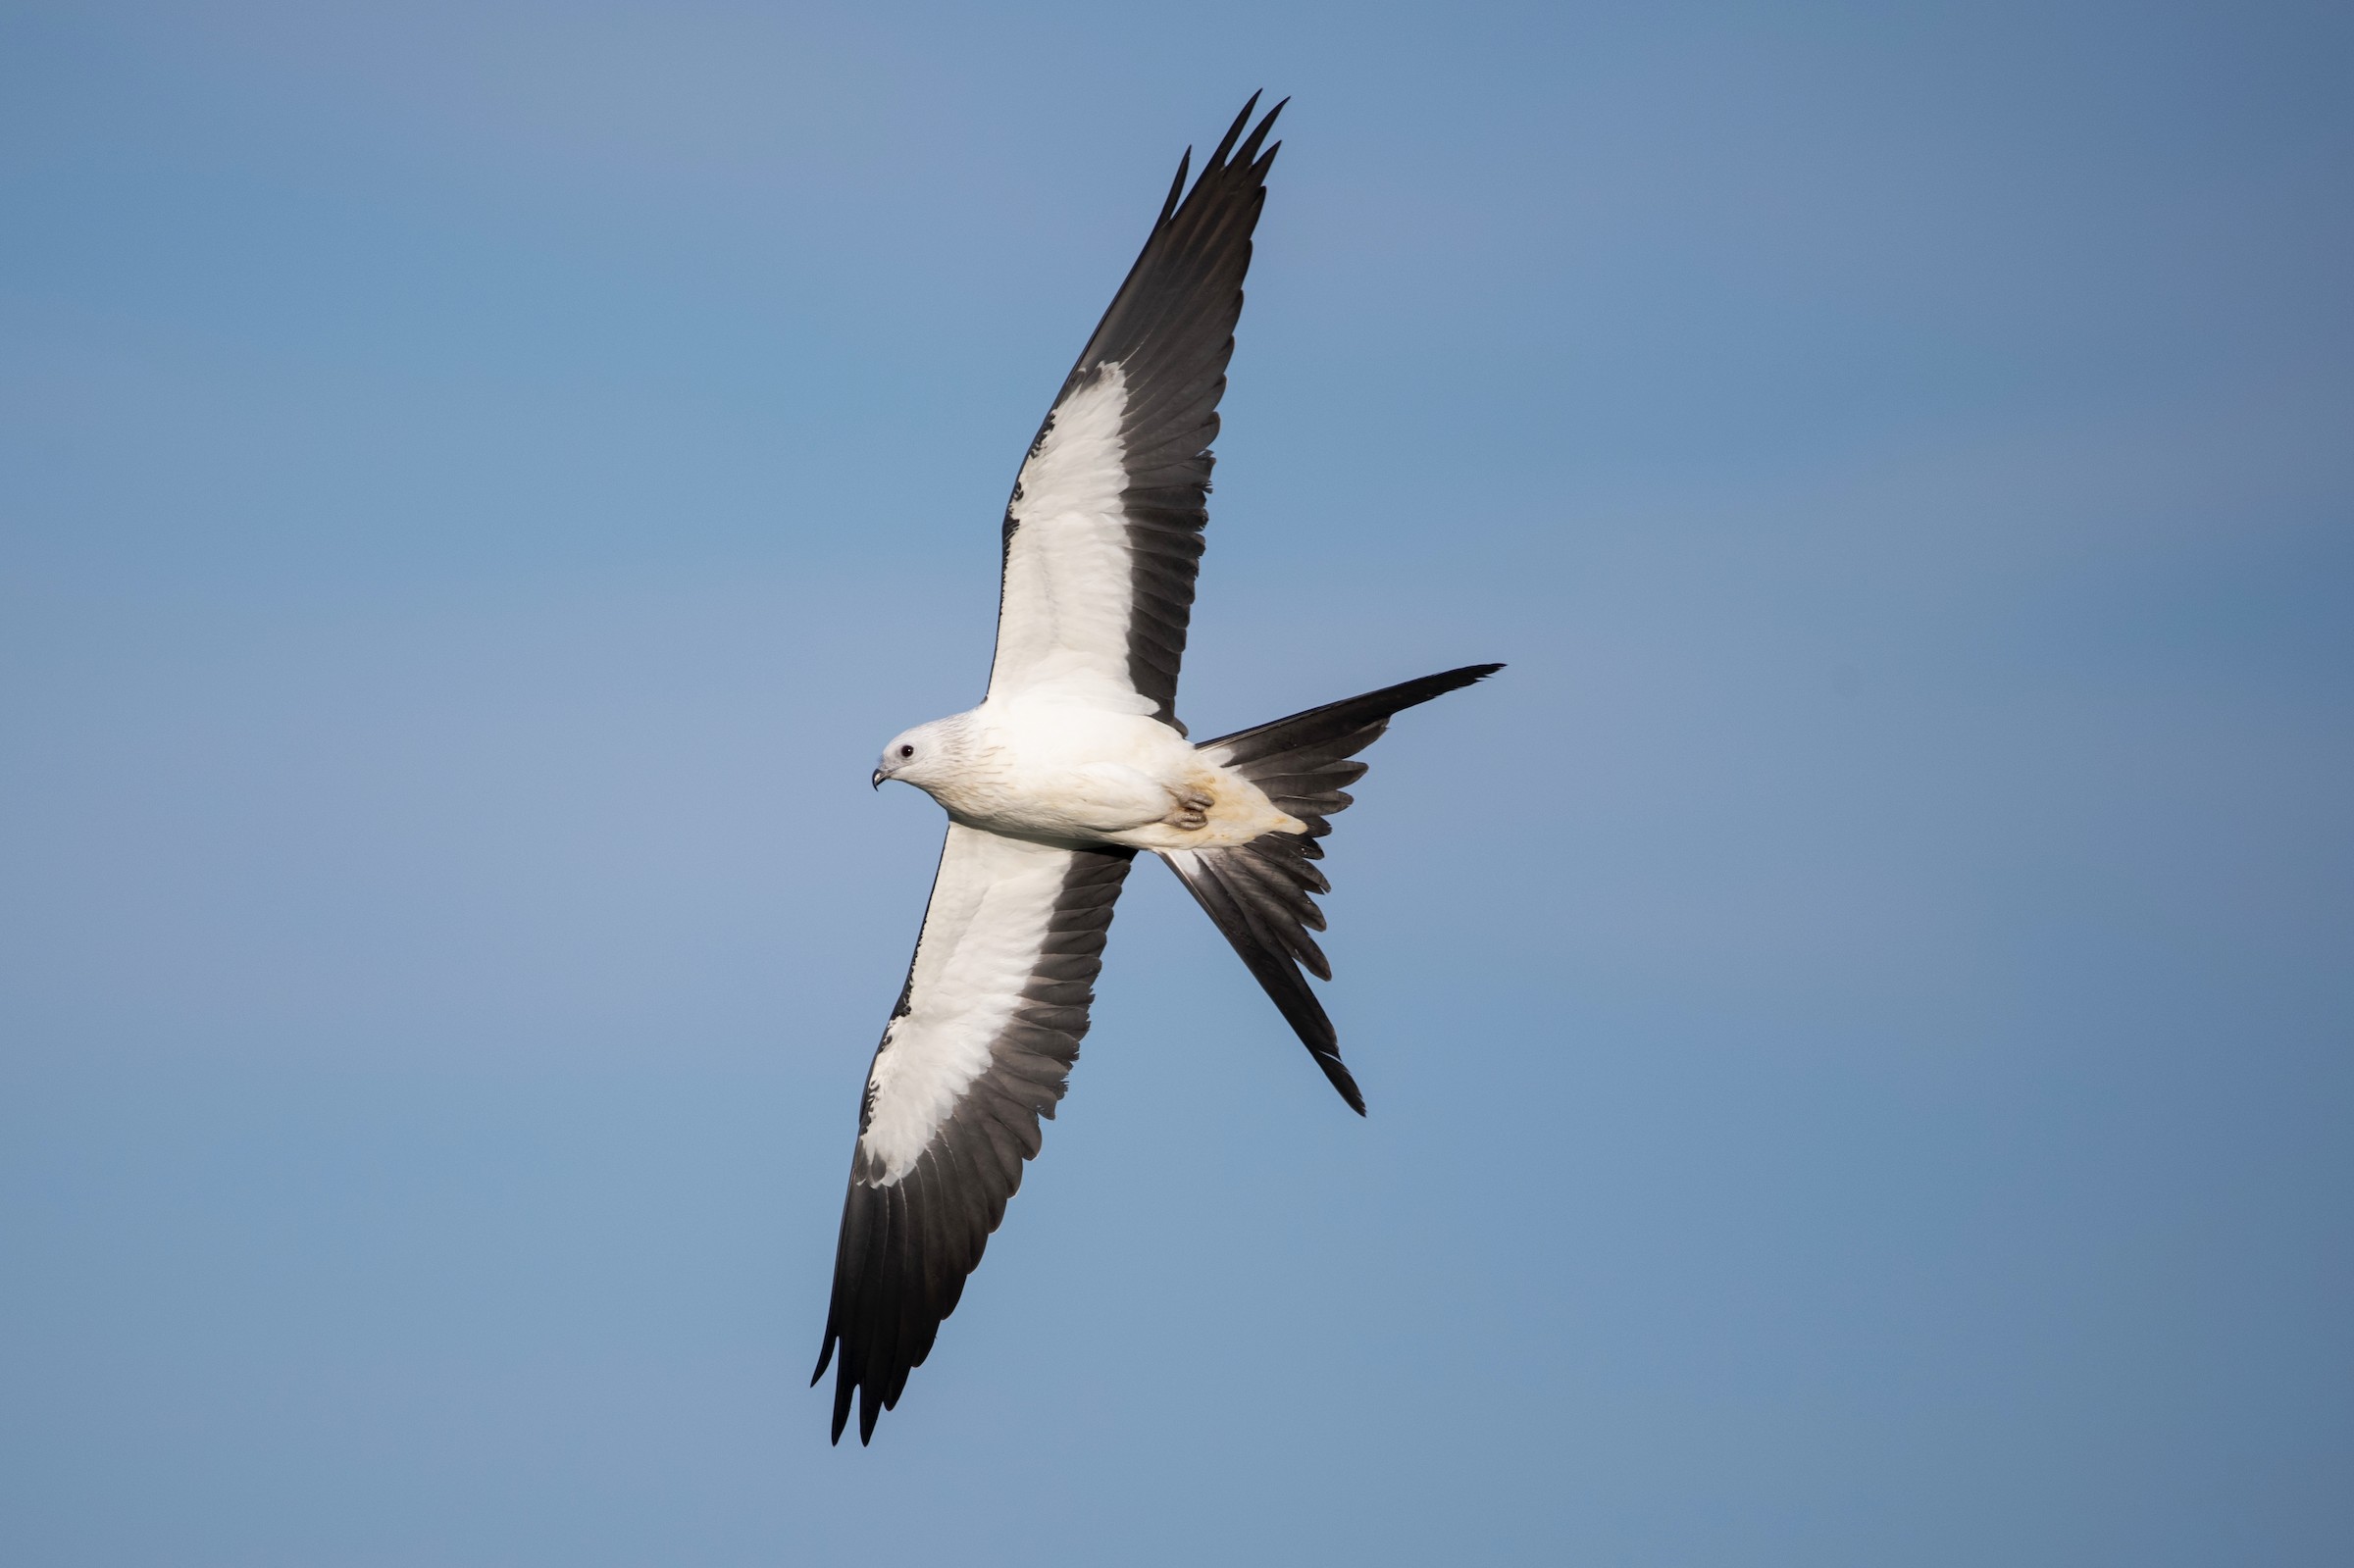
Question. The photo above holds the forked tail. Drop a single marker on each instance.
(1260, 894)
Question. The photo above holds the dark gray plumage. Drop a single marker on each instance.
(1260, 894)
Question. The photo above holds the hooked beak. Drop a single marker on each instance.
(878, 779)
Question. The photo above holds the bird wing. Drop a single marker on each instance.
(978, 1048)
(1103, 532)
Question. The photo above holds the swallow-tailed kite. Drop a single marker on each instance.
(1073, 762)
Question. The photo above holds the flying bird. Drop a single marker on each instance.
(1073, 763)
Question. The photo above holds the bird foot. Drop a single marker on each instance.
(1191, 811)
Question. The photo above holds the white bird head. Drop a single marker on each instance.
(922, 756)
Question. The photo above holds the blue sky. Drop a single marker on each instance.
(1856, 1019)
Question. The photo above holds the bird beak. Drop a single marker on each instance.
(878, 779)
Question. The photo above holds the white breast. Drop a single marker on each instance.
(1049, 767)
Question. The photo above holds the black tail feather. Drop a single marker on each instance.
(1260, 893)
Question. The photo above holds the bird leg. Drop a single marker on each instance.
(1192, 809)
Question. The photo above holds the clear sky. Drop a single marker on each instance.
(1856, 1018)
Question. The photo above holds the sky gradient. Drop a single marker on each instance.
(1856, 1018)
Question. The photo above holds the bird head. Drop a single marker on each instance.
(920, 756)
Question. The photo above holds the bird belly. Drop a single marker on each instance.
(1109, 778)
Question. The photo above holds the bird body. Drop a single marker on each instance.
(1052, 766)
(1073, 764)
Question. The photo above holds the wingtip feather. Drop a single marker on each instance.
(1247, 153)
(1185, 166)
(1342, 1079)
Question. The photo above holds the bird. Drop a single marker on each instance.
(1074, 764)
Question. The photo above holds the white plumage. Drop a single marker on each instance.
(1062, 622)
(991, 904)
(1072, 763)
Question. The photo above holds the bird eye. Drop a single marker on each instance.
(906, 751)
